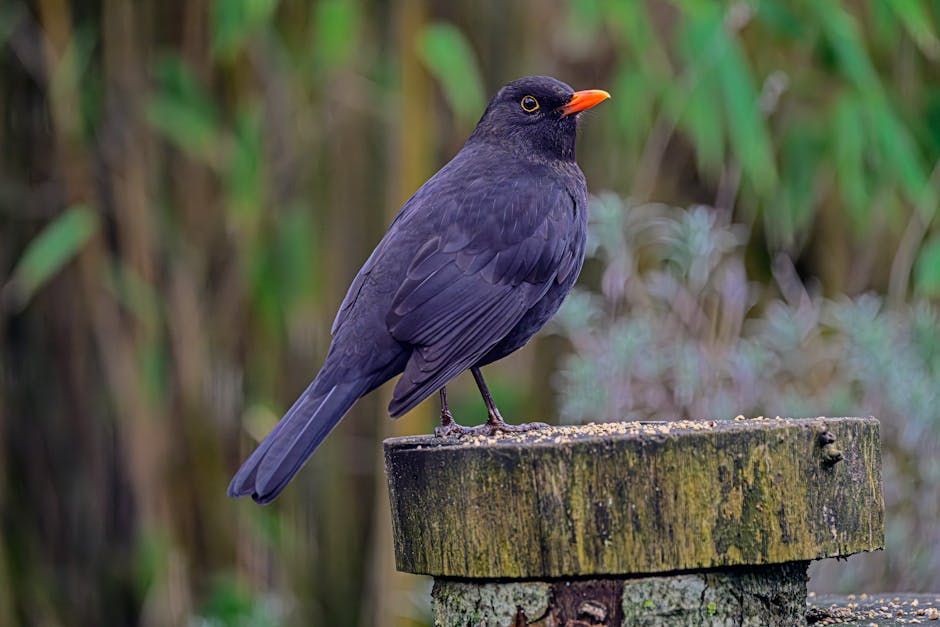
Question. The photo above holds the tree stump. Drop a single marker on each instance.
(678, 523)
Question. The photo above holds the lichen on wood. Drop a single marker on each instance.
(767, 596)
(764, 596)
(631, 498)
(489, 604)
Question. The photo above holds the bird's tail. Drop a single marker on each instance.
(278, 458)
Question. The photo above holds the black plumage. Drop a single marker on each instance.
(472, 266)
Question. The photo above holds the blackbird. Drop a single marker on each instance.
(475, 262)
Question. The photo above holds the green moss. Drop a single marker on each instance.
(738, 493)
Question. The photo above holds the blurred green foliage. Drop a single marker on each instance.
(450, 59)
(927, 281)
(186, 189)
(49, 251)
(183, 111)
(701, 340)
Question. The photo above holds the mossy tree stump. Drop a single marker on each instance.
(688, 522)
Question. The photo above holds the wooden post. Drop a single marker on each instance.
(680, 523)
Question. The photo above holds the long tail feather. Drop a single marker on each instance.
(278, 458)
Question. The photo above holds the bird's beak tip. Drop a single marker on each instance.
(584, 100)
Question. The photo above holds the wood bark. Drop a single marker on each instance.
(632, 499)
(762, 596)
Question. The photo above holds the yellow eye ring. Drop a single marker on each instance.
(529, 104)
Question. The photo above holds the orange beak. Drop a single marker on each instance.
(584, 100)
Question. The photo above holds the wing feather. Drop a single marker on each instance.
(463, 294)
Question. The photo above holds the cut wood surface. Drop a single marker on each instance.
(635, 498)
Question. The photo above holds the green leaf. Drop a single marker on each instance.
(138, 296)
(450, 59)
(284, 273)
(780, 19)
(297, 259)
(702, 41)
(717, 70)
(336, 24)
(72, 80)
(848, 146)
(916, 20)
(747, 129)
(49, 252)
(235, 21)
(586, 19)
(927, 271)
(931, 119)
(702, 118)
(843, 36)
(884, 30)
(801, 153)
(244, 177)
(695, 100)
(182, 110)
(636, 31)
(900, 154)
(637, 93)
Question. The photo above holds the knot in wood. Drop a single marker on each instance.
(594, 611)
(830, 454)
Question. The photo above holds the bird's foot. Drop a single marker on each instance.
(453, 430)
(449, 427)
(496, 424)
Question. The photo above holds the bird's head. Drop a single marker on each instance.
(536, 115)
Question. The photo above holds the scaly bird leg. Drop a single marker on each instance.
(494, 421)
(447, 418)
(448, 426)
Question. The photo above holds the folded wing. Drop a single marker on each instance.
(469, 286)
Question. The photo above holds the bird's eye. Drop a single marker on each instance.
(529, 104)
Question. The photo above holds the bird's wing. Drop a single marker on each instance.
(352, 294)
(471, 284)
(436, 186)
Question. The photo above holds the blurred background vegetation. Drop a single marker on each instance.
(186, 189)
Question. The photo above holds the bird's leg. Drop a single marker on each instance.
(494, 421)
(447, 418)
(448, 426)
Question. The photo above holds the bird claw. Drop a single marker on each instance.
(489, 428)
(449, 427)
(453, 430)
(501, 426)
